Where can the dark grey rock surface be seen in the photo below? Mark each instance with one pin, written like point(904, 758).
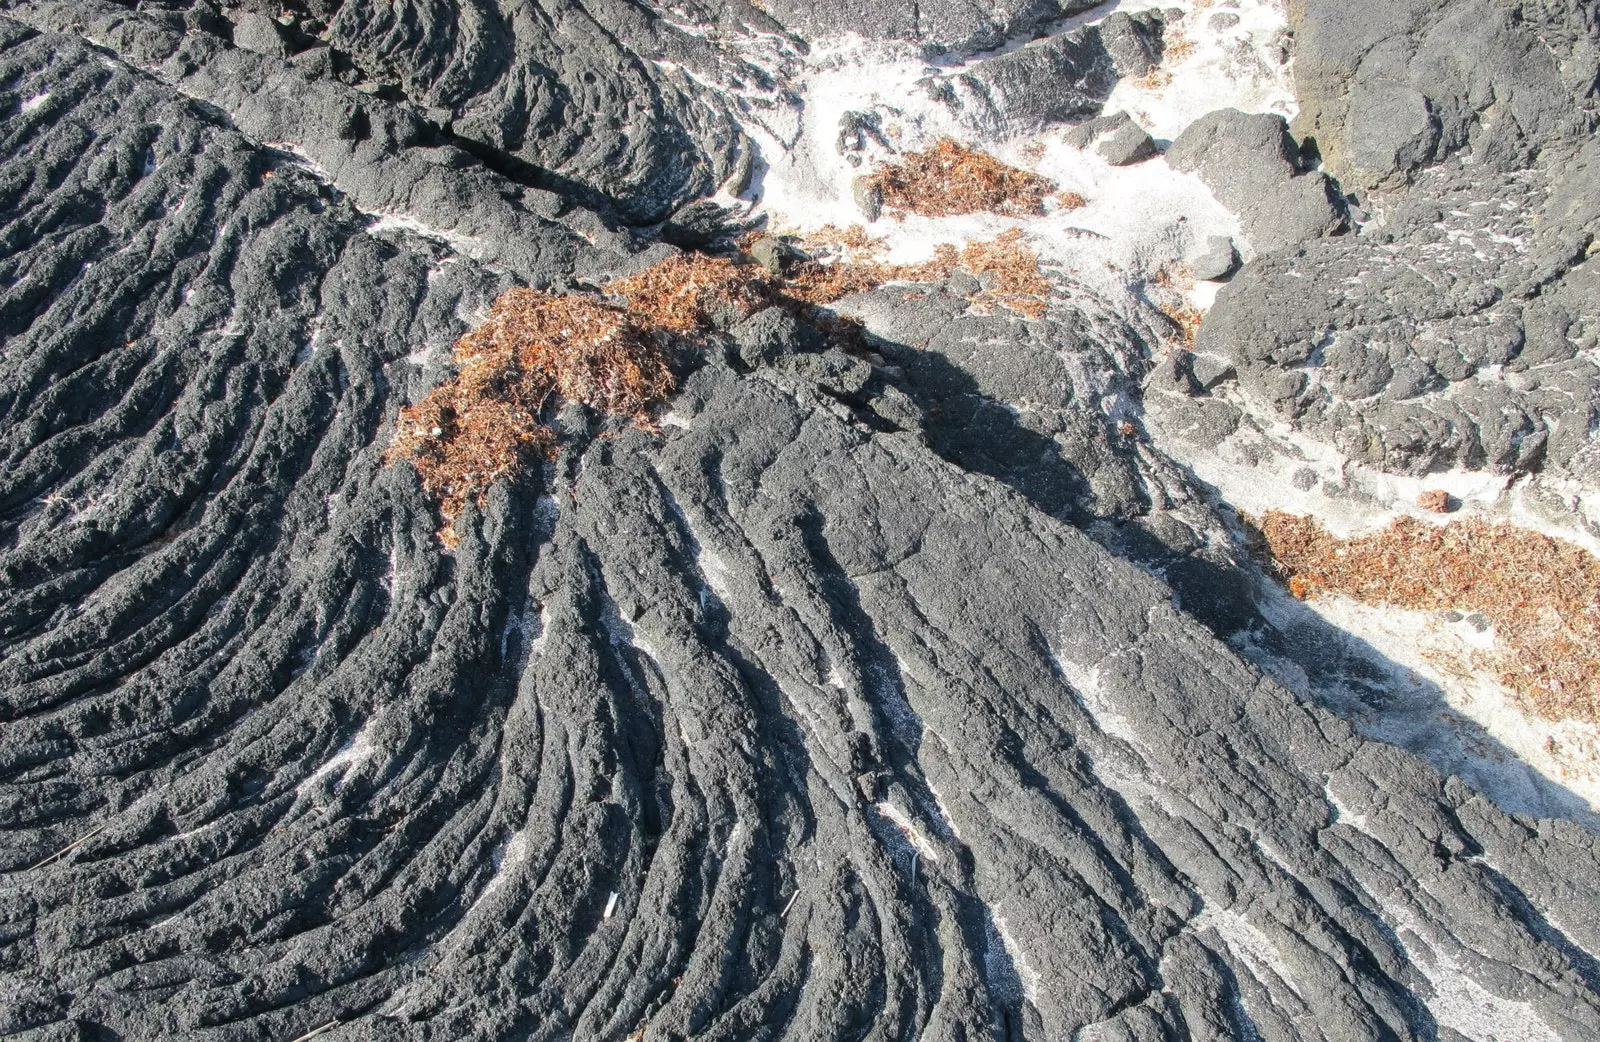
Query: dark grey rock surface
point(1218, 260)
point(1255, 169)
point(939, 25)
point(1457, 329)
point(1117, 138)
point(1062, 77)
point(876, 696)
point(1389, 86)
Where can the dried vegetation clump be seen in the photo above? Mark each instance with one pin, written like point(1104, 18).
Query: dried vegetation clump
point(950, 179)
point(689, 293)
point(1008, 266)
point(483, 425)
point(1186, 318)
point(610, 351)
point(1542, 595)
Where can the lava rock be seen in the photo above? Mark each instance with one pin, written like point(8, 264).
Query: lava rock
point(698, 225)
point(1061, 78)
point(868, 196)
point(939, 25)
point(816, 725)
point(1253, 167)
point(1122, 142)
point(771, 334)
point(257, 32)
point(1388, 88)
point(1217, 261)
point(1128, 144)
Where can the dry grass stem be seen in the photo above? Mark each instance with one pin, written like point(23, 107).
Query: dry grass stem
point(1542, 595)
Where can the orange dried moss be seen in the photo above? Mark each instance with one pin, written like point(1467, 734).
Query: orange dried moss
point(1012, 269)
point(1187, 319)
point(951, 178)
point(689, 292)
point(483, 425)
point(572, 345)
point(1542, 595)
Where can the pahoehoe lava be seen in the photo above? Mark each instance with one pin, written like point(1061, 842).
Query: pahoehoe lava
point(882, 692)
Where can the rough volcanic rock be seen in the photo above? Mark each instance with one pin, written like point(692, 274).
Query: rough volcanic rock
point(1255, 169)
point(608, 94)
point(783, 721)
point(940, 25)
point(1119, 140)
point(1389, 86)
point(1217, 261)
point(1452, 337)
point(1456, 328)
point(603, 102)
point(1059, 78)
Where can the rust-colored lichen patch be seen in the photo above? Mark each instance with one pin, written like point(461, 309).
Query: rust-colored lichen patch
point(950, 178)
point(1542, 595)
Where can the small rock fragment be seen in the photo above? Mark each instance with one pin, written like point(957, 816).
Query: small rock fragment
point(1217, 262)
point(1210, 370)
point(1128, 144)
point(1436, 500)
point(257, 32)
point(768, 252)
point(868, 196)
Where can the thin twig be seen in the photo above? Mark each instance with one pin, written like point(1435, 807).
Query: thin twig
point(314, 1032)
point(86, 837)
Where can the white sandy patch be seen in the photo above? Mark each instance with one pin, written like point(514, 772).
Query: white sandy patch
point(1236, 66)
point(1440, 702)
point(1261, 470)
point(1249, 945)
point(354, 751)
point(1137, 219)
point(909, 828)
point(1019, 959)
point(1459, 1002)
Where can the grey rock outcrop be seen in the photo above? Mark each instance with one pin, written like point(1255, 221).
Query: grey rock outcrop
point(1254, 168)
point(940, 25)
point(1454, 330)
point(1218, 260)
point(1458, 336)
point(1117, 138)
point(1061, 78)
point(1387, 88)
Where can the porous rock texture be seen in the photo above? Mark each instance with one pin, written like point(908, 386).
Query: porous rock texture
point(831, 710)
point(1389, 86)
point(939, 25)
point(1456, 327)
